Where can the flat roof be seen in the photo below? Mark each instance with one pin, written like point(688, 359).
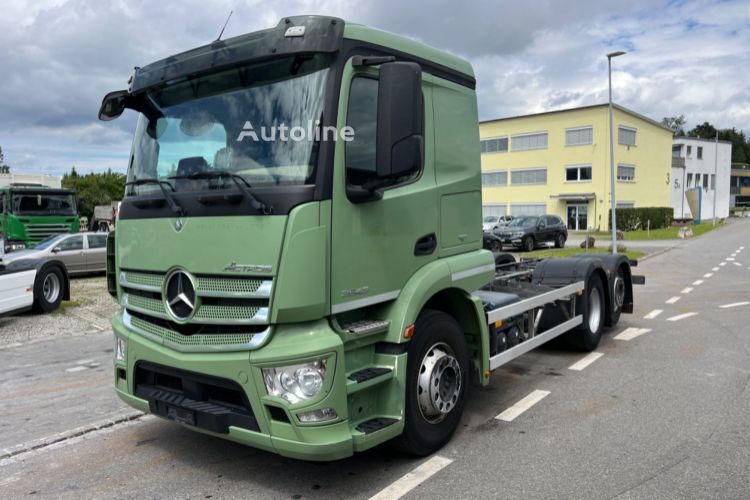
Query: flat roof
point(678, 138)
point(616, 106)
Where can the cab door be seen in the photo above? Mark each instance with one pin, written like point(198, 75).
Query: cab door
point(96, 252)
point(71, 252)
point(377, 245)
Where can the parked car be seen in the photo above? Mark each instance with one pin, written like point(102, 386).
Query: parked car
point(79, 252)
point(491, 242)
point(528, 232)
point(492, 222)
point(32, 284)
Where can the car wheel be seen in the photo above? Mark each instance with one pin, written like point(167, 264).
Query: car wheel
point(528, 243)
point(560, 241)
point(618, 297)
point(496, 246)
point(436, 376)
point(49, 285)
point(592, 305)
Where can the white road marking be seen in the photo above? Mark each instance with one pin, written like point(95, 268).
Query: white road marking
point(672, 300)
point(741, 248)
point(413, 478)
point(708, 275)
point(736, 304)
point(84, 361)
point(653, 314)
point(682, 316)
point(631, 333)
point(76, 369)
point(723, 264)
point(523, 405)
point(697, 282)
point(737, 264)
point(687, 289)
point(729, 258)
point(714, 269)
point(585, 361)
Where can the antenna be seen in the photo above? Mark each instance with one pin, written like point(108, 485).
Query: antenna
point(224, 27)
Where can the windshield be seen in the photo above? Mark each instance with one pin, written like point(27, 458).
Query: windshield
point(490, 218)
point(260, 122)
point(48, 242)
point(524, 222)
point(42, 204)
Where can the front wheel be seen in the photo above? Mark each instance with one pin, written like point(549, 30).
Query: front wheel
point(48, 289)
point(560, 241)
point(436, 377)
point(528, 244)
point(496, 246)
point(592, 305)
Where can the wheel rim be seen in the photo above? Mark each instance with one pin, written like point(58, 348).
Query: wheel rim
point(51, 287)
point(439, 383)
point(560, 240)
point(595, 309)
point(619, 291)
point(529, 245)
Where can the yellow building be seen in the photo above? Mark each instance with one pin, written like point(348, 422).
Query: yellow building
point(558, 163)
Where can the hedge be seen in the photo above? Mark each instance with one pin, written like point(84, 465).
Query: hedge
point(634, 219)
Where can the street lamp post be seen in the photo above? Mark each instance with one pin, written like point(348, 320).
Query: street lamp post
point(612, 152)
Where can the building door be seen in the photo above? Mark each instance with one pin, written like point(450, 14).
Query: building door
point(578, 216)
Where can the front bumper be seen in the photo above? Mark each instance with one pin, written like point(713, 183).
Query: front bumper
point(276, 426)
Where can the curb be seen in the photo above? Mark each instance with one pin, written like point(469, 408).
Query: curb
point(65, 435)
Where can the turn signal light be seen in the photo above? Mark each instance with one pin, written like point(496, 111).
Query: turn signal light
point(409, 331)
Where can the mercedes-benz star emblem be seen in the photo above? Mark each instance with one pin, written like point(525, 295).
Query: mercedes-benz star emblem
point(179, 295)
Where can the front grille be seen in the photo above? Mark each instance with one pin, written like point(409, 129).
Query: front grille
point(39, 232)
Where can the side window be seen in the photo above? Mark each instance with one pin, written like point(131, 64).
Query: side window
point(362, 114)
point(97, 241)
point(72, 243)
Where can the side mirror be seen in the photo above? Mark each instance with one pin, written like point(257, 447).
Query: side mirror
point(399, 141)
point(56, 250)
point(113, 105)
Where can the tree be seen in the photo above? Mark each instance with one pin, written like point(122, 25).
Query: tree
point(4, 168)
point(705, 131)
point(676, 123)
point(95, 188)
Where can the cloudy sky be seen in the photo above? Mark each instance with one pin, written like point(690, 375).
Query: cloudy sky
point(59, 57)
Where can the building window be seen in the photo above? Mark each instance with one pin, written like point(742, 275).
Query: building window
point(494, 210)
point(499, 178)
point(626, 173)
point(494, 145)
point(697, 180)
point(625, 204)
point(524, 142)
point(705, 182)
point(700, 153)
point(578, 136)
point(676, 150)
point(713, 182)
point(626, 136)
point(528, 176)
point(528, 209)
point(689, 180)
point(689, 151)
point(578, 173)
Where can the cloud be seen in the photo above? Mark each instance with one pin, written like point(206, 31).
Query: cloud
point(684, 57)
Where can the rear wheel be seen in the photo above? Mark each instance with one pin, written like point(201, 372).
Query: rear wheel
point(496, 246)
point(48, 289)
point(436, 377)
point(618, 297)
point(560, 241)
point(528, 243)
point(592, 305)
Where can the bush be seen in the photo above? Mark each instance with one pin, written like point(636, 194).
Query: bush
point(634, 219)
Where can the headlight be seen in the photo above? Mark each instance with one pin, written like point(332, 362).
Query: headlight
point(119, 349)
point(517, 234)
point(295, 383)
point(16, 245)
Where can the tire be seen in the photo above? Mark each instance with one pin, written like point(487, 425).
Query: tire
point(528, 243)
point(49, 286)
point(496, 246)
point(560, 241)
point(586, 336)
point(618, 297)
point(427, 426)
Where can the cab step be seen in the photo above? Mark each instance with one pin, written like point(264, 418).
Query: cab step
point(375, 424)
point(366, 327)
point(367, 377)
point(368, 373)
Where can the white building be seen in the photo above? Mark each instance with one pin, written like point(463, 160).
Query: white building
point(696, 164)
point(52, 181)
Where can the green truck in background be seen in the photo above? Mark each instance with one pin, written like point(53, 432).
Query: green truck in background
point(297, 254)
point(34, 212)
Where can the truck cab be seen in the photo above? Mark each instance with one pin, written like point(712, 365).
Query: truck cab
point(297, 248)
point(32, 213)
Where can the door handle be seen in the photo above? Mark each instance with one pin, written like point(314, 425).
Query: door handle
point(425, 245)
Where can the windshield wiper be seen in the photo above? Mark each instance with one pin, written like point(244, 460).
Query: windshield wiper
point(238, 180)
point(176, 207)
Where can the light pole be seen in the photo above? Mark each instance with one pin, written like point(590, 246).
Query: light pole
point(612, 152)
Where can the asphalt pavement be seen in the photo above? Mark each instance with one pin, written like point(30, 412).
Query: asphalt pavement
point(661, 411)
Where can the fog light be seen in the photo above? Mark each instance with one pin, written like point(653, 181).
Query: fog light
point(321, 415)
point(295, 383)
point(119, 349)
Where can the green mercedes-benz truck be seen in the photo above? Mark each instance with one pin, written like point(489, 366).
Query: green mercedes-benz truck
point(34, 212)
point(297, 255)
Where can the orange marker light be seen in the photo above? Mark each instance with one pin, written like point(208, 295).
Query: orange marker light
point(487, 374)
point(498, 323)
point(409, 331)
